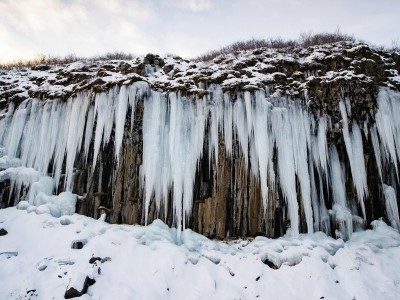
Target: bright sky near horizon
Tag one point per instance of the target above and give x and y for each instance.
(186, 27)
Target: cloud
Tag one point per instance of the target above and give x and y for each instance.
(186, 27)
(192, 5)
(59, 27)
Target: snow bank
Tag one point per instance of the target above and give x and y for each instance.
(40, 196)
(135, 262)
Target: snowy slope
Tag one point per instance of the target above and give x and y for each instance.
(37, 262)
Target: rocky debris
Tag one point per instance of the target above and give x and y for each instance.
(270, 264)
(31, 293)
(78, 286)
(95, 259)
(153, 59)
(3, 232)
(78, 244)
(92, 260)
(80, 283)
(9, 254)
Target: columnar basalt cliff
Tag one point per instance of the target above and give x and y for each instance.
(254, 142)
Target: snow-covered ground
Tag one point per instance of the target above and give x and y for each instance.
(37, 261)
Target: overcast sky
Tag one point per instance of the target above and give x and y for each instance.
(185, 27)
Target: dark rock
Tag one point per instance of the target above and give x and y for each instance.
(102, 73)
(168, 68)
(41, 68)
(92, 260)
(270, 264)
(152, 59)
(149, 59)
(31, 294)
(124, 67)
(78, 244)
(3, 232)
(73, 292)
(76, 77)
(108, 67)
(9, 254)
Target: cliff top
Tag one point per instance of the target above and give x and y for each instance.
(293, 71)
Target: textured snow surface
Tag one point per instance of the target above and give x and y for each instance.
(152, 262)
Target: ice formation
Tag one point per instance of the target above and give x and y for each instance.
(282, 143)
(391, 206)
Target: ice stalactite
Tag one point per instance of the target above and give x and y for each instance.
(263, 143)
(355, 152)
(48, 136)
(104, 108)
(377, 150)
(392, 209)
(388, 126)
(127, 97)
(173, 135)
(43, 135)
(340, 209)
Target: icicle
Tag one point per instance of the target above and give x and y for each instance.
(239, 120)
(322, 144)
(78, 108)
(341, 213)
(5, 121)
(88, 133)
(377, 150)
(173, 134)
(314, 199)
(392, 209)
(104, 111)
(300, 139)
(263, 142)
(355, 152)
(388, 125)
(13, 138)
(228, 124)
(248, 105)
(154, 149)
(120, 116)
(284, 141)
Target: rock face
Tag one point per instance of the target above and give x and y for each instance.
(252, 143)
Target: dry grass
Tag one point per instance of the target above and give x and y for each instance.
(305, 40)
(247, 45)
(310, 39)
(63, 60)
(40, 60)
(395, 45)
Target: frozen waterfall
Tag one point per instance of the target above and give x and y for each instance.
(284, 147)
